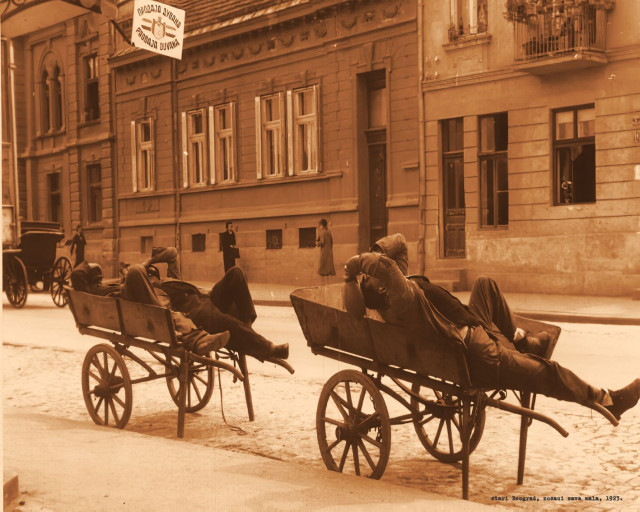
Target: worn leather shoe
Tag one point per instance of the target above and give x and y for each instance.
(536, 345)
(624, 399)
(281, 351)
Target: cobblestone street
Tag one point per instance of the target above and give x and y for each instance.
(596, 460)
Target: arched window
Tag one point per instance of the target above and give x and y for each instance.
(46, 102)
(51, 91)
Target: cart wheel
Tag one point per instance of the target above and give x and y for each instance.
(60, 277)
(106, 386)
(439, 426)
(353, 426)
(15, 281)
(200, 384)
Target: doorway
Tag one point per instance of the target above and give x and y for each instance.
(453, 204)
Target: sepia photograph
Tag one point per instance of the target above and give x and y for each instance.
(320, 255)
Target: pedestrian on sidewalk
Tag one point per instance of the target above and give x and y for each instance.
(228, 246)
(78, 244)
(324, 240)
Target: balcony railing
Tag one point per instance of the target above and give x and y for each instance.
(561, 30)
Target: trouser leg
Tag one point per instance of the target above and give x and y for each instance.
(137, 287)
(243, 338)
(494, 366)
(488, 303)
(232, 296)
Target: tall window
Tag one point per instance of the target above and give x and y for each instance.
(270, 135)
(91, 96)
(196, 155)
(467, 17)
(94, 193)
(51, 98)
(224, 142)
(54, 197)
(494, 176)
(143, 156)
(574, 149)
(302, 106)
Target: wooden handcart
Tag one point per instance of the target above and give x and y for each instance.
(429, 377)
(127, 325)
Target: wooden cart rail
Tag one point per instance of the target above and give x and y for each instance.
(433, 365)
(128, 324)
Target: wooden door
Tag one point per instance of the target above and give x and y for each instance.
(453, 207)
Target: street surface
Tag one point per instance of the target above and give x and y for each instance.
(42, 357)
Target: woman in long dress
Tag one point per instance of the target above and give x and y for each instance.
(324, 241)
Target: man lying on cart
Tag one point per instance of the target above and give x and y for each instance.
(499, 355)
(222, 318)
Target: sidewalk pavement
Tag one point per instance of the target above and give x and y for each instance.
(549, 307)
(64, 465)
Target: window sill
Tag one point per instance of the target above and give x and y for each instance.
(467, 40)
(89, 123)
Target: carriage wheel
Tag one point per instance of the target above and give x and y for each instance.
(440, 424)
(60, 277)
(352, 423)
(106, 386)
(200, 384)
(15, 281)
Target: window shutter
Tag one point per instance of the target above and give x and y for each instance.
(152, 177)
(212, 145)
(283, 128)
(234, 161)
(290, 129)
(134, 158)
(317, 127)
(258, 139)
(185, 152)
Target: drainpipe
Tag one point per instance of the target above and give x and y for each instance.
(176, 142)
(422, 173)
(113, 142)
(14, 141)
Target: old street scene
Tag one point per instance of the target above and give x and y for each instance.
(216, 219)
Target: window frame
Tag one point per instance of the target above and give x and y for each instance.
(199, 140)
(52, 114)
(54, 193)
(219, 137)
(93, 193)
(89, 81)
(311, 123)
(574, 142)
(471, 15)
(140, 148)
(262, 128)
(495, 156)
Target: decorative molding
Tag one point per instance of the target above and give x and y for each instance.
(391, 13)
(287, 42)
(255, 50)
(349, 24)
(369, 16)
(304, 35)
(130, 79)
(320, 29)
(182, 67)
(156, 73)
(209, 60)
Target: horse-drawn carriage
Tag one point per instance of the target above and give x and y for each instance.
(428, 376)
(31, 260)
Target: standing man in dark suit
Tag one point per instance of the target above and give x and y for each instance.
(228, 246)
(77, 243)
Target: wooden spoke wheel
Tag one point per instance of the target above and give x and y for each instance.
(352, 423)
(106, 386)
(15, 283)
(199, 384)
(440, 425)
(60, 277)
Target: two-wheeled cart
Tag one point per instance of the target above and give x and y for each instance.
(428, 376)
(132, 329)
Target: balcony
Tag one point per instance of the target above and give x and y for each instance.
(560, 36)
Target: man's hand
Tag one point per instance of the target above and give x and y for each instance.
(352, 268)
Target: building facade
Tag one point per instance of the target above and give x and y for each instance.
(278, 114)
(532, 143)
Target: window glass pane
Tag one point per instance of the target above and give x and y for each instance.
(501, 132)
(486, 192)
(196, 123)
(307, 238)
(453, 136)
(586, 122)
(487, 131)
(584, 175)
(274, 239)
(503, 208)
(303, 144)
(564, 125)
(145, 131)
(222, 118)
(377, 107)
(198, 242)
(503, 174)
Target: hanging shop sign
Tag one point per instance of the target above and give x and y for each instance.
(158, 28)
